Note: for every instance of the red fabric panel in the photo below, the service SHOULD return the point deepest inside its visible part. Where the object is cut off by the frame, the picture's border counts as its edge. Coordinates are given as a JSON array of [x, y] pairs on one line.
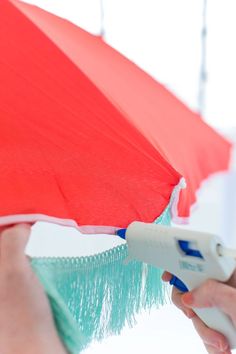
[[193, 148], [65, 149]]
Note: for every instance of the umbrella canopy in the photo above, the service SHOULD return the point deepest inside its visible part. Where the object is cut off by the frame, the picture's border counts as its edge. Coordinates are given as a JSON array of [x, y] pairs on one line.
[[88, 138]]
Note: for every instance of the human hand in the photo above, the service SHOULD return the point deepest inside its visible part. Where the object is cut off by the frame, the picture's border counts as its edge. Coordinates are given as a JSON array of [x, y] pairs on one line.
[[209, 294], [26, 320]]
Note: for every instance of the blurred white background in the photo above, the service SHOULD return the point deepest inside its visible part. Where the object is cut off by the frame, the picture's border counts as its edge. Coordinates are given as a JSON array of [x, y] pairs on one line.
[[164, 37]]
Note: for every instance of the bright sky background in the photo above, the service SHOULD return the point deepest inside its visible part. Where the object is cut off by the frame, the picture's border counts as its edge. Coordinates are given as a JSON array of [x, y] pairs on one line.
[[164, 38]]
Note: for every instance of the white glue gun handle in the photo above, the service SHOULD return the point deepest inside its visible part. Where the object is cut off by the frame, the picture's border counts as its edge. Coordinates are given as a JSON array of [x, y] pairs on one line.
[[220, 322]]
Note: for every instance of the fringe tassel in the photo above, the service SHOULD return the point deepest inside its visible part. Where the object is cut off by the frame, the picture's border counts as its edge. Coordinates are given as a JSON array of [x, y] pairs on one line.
[[96, 296]]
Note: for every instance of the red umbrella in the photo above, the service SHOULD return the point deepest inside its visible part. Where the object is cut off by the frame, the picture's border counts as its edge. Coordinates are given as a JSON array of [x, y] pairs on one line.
[[87, 137]]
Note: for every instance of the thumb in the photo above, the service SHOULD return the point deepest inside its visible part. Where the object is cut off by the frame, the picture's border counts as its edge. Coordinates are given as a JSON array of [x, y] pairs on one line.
[[212, 294], [13, 243]]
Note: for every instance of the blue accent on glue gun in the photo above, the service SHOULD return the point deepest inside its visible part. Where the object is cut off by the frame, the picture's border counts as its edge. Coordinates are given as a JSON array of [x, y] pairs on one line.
[[121, 233], [185, 247], [178, 284]]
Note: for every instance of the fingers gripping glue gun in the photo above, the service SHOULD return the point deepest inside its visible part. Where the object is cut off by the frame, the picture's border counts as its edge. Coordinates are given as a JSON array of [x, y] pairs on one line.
[[193, 257]]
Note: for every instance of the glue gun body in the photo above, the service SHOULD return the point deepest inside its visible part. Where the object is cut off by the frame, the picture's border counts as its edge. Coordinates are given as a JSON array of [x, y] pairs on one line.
[[191, 256]]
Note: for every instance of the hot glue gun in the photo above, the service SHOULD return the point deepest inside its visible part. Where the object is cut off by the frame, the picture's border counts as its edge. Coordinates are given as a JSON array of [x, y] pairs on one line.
[[191, 256]]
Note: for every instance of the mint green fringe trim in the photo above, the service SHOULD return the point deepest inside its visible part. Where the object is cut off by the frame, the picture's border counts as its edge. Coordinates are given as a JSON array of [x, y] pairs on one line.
[[96, 296]]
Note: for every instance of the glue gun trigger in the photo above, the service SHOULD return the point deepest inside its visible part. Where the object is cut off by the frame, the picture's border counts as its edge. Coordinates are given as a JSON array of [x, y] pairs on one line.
[[178, 284]]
